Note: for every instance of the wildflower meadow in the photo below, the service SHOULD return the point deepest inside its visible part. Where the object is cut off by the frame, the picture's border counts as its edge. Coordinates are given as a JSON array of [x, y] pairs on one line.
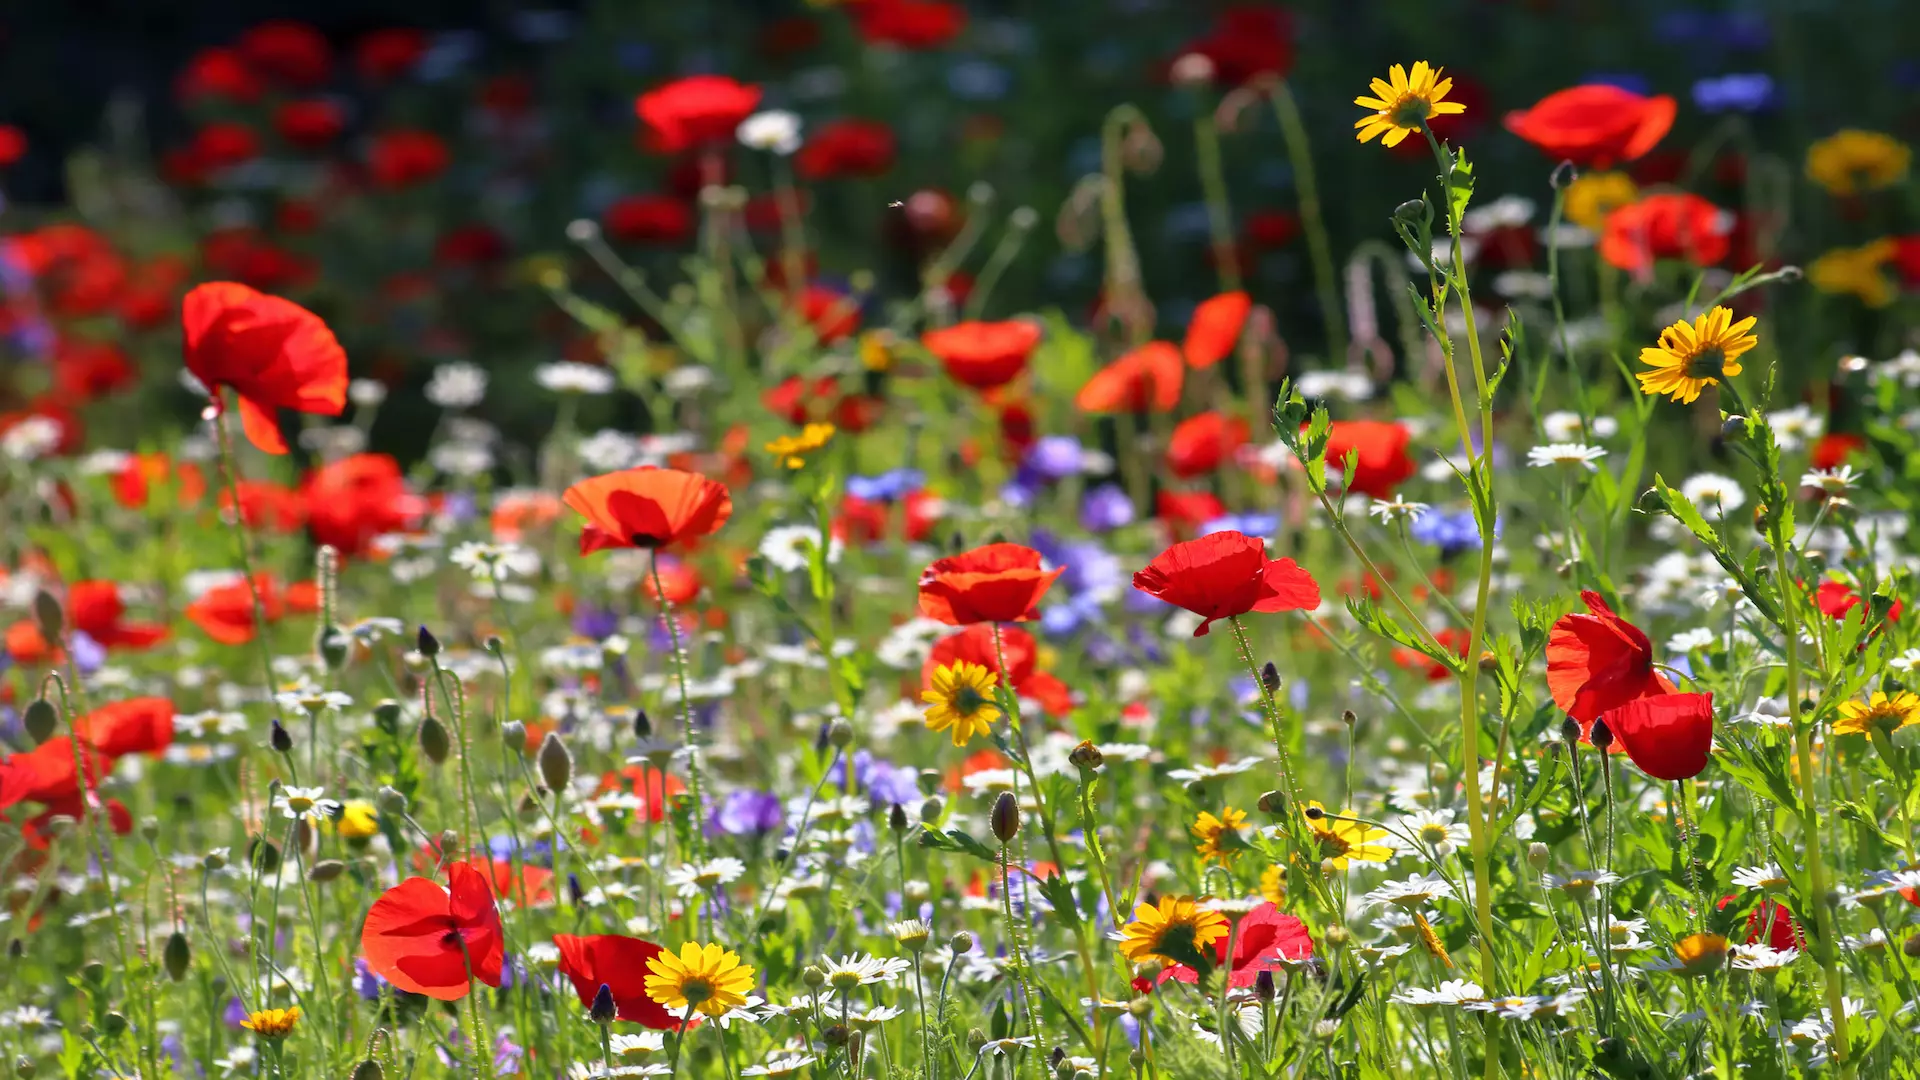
[[914, 540]]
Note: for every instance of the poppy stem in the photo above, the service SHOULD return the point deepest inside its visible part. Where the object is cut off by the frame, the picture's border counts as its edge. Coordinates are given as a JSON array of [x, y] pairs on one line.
[[1213, 183], [243, 543], [696, 835], [1300, 155]]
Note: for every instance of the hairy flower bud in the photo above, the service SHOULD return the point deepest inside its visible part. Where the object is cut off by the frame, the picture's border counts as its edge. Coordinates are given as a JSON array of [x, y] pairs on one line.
[[434, 741], [40, 720], [556, 762], [1006, 817]]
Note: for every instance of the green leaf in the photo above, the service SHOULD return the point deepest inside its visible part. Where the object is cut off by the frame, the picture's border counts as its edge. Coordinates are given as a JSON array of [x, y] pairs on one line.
[[958, 841], [1459, 183], [1058, 892]]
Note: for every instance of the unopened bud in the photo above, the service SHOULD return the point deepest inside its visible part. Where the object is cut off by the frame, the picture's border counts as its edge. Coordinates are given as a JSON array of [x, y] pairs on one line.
[[390, 801], [840, 733], [426, 644], [1263, 987], [40, 720], [961, 943], [1086, 757], [603, 1009], [1537, 855], [1270, 678], [326, 870], [368, 1070], [642, 724], [556, 762], [514, 734], [1733, 427], [387, 716], [178, 955], [897, 818], [332, 644], [1006, 817], [434, 741], [280, 738], [1600, 736], [46, 612]]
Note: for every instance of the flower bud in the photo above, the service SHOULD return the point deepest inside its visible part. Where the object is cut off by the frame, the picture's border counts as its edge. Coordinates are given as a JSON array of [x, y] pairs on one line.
[[215, 860], [1270, 679], [1600, 736], [642, 725], [332, 645], [426, 644], [1537, 855], [390, 801], [326, 870], [976, 1039], [387, 715], [556, 763], [961, 943], [932, 808], [1263, 985], [178, 955], [40, 719], [149, 828], [23, 1066], [46, 612], [1733, 427], [434, 741], [1086, 757], [514, 734], [1006, 817], [603, 1009], [368, 1070], [114, 1024], [840, 733], [897, 818], [1272, 802], [1570, 731], [280, 738], [264, 854], [813, 977]]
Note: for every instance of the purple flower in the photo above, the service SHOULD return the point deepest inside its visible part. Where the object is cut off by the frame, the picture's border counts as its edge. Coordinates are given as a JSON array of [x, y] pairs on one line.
[[1054, 457], [596, 623], [888, 486], [1256, 525], [747, 813], [1452, 531], [1105, 508], [1734, 93]]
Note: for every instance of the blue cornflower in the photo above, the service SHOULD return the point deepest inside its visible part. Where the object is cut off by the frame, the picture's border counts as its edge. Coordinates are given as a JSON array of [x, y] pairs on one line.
[[1734, 93]]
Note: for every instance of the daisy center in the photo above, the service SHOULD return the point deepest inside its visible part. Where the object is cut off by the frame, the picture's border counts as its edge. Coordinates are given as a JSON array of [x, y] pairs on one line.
[[1708, 363], [696, 990], [1411, 112], [967, 700]]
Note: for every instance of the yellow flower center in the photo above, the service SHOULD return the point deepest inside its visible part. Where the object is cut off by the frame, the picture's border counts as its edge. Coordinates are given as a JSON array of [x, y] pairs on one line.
[[1708, 363]]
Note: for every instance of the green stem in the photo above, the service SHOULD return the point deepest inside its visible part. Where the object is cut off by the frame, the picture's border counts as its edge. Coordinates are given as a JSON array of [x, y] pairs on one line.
[[1300, 155]]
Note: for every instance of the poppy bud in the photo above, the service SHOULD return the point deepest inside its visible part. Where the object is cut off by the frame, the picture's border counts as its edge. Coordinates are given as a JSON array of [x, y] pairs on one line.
[[326, 870], [1263, 985], [1270, 679], [556, 763], [1315, 813], [368, 1070], [387, 715], [46, 612], [23, 1066], [813, 977], [1272, 802], [603, 1009], [265, 854], [1601, 736], [215, 859], [840, 733], [961, 943], [390, 801], [1537, 855], [976, 1040], [514, 734], [332, 644], [449, 842], [40, 719], [1570, 732], [280, 739], [178, 956], [897, 818], [114, 1024], [642, 724], [93, 972], [1911, 946], [149, 828], [434, 741], [932, 808], [426, 644], [1347, 718], [1006, 817]]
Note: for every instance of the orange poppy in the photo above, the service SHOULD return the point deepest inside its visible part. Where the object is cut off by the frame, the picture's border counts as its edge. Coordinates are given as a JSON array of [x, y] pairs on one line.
[[1201, 443], [994, 583], [274, 353], [1149, 377], [983, 355], [1215, 328], [647, 508], [1594, 125]]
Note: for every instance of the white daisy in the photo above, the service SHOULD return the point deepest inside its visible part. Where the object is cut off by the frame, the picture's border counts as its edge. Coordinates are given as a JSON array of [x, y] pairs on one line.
[[1571, 456], [569, 377]]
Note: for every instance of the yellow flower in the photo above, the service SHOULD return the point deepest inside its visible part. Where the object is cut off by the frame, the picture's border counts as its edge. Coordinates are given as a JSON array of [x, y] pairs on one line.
[[1696, 355], [793, 449], [358, 820], [1857, 272], [1701, 953], [1343, 841], [709, 978], [1171, 930], [1273, 885], [1220, 836], [876, 349], [1888, 714], [1592, 196], [272, 1023], [1403, 106], [962, 699], [1852, 161]]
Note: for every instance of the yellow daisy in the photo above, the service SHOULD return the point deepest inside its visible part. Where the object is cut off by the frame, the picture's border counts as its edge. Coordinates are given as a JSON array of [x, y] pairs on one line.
[[709, 978], [1273, 885], [793, 449], [1852, 161], [1220, 836], [1344, 840], [1170, 930], [1857, 271], [1592, 196], [272, 1023], [1882, 712], [1402, 106], [1701, 953], [359, 819], [962, 699], [1693, 356]]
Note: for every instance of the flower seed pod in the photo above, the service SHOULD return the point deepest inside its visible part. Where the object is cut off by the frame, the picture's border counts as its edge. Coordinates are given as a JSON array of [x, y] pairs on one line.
[[434, 742], [326, 870], [556, 763], [368, 1070], [1086, 757], [40, 719], [114, 1024], [178, 955], [1537, 855], [840, 733], [1006, 817], [514, 734], [426, 644], [1272, 802], [932, 808], [387, 715], [46, 612], [264, 854]]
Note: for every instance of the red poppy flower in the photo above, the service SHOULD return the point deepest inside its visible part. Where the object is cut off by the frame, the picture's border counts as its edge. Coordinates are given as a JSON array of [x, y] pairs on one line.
[[48, 773], [1265, 938], [1594, 125], [647, 508], [405, 157], [1836, 599], [1449, 637], [1185, 510], [1785, 931], [1225, 574], [518, 513], [1667, 735], [1246, 41], [226, 613], [681, 581], [1598, 662], [618, 963], [1215, 328], [975, 646], [425, 939], [135, 726], [84, 369], [267, 505], [13, 144], [1666, 226], [846, 148], [224, 144], [530, 887], [274, 353], [384, 55], [310, 124], [648, 219], [833, 316], [994, 583], [95, 609], [1833, 449], [908, 24], [983, 355], [133, 484], [1382, 462], [289, 51], [799, 400], [695, 111], [359, 497], [655, 789], [217, 73], [1149, 377], [1199, 444]]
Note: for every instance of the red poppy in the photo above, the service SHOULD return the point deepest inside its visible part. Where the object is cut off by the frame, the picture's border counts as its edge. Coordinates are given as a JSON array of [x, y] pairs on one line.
[[359, 497], [384, 55], [1598, 662], [517, 513], [1225, 574], [267, 505], [975, 646], [1381, 459], [908, 24], [48, 773], [1149, 377], [1595, 125], [425, 939], [224, 144], [983, 355], [846, 148], [1265, 230], [95, 609], [225, 612], [1215, 328], [618, 963], [699, 110], [530, 887], [681, 582], [472, 244], [1185, 510], [274, 353], [833, 316], [13, 145], [135, 726], [289, 51], [1836, 599], [647, 508], [1265, 938], [1450, 637], [1667, 735], [132, 485], [1785, 931], [405, 157], [1246, 41], [310, 124], [799, 400], [84, 369], [1671, 225], [217, 73], [994, 583], [648, 219], [1833, 449], [655, 789], [1199, 444]]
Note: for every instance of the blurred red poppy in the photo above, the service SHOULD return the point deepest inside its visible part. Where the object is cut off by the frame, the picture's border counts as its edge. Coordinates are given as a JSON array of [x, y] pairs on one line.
[[697, 111], [618, 963], [291, 52], [846, 148], [85, 369], [1246, 40], [1598, 662], [1186, 510], [975, 646], [1380, 446], [224, 144], [983, 355], [1264, 938], [832, 315], [1214, 330], [681, 581], [994, 583], [13, 144], [359, 497], [267, 505], [1667, 735], [48, 773], [1451, 638], [1833, 449], [136, 726], [1595, 125], [654, 788], [404, 157], [1149, 377], [274, 353], [908, 24], [647, 508], [1225, 574], [220, 74], [1775, 921], [225, 612], [96, 609], [426, 939], [1671, 225], [1200, 444], [310, 124], [133, 484], [385, 55], [1836, 599], [647, 219]]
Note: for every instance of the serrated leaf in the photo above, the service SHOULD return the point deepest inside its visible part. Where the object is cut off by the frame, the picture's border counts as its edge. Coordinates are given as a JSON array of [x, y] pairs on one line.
[[958, 841]]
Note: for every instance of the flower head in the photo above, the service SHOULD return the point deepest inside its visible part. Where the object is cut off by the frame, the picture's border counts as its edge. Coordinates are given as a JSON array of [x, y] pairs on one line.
[[1881, 712], [961, 701], [1696, 355], [1220, 837], [647, 508], [1851, 161], [994, 583], [1343, 840], [272, 1023], [1175, 930], [1225, 574], [707, 978], [1404, 102], [792, 450], [620, 964], [274, 353]]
